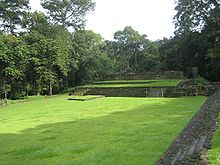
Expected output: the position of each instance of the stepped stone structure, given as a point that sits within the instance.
(148, 76)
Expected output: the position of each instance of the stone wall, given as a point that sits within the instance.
(185, 88)
(192, 88)
(215, 85)
(191, 146)
(147, 76)
(128, 92)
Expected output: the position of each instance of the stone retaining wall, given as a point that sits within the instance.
(185, 88)
(191, 145)
(192, 90)
(128, 92)
(147, 76)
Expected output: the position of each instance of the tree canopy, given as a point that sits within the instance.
(69, 13)
(45, 53)
(12, 13)
(192, 15)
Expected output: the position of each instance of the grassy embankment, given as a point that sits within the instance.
(214, 153)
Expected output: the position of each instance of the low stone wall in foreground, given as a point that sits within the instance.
(129, 92)
(191, 146)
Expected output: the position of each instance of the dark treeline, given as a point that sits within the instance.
(45, 53)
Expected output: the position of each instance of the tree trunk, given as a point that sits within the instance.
(38, 87)
(136, 63)
(128, 65)
(6, 95)
(50, 89)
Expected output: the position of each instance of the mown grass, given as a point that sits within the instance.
(102, 131)
(140, 83)
(214, 153)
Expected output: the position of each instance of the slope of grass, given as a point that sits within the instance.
(6, 102)
(102, 131)
(140, 83)
(214, 153)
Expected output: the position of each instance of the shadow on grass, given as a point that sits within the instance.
(138, 136)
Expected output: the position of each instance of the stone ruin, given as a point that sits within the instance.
(156, 92)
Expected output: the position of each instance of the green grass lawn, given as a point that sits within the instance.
(132, 131)
(214, 153)
(140, 83)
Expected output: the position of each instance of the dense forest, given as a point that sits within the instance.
(45, 53)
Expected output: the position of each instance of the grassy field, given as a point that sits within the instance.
(103, 131)
(214, 153)
(140, 83)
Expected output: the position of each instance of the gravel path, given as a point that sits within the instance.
(191, 145)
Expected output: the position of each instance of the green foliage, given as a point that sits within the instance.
(49, 59)
(107, 130)
(192, 14)
(4, 89)
(45, 56)
(13, 59)
(133, 52)
(36, 21)
(202, 81)
(91, 59)
(68, 13)
(12, 13)
(6, 102)
(196, 43)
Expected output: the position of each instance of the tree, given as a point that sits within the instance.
(127, 45)
(133, 52)
(88, 51)
(68, 13)
(36, 21)
(170, 53)
(12, 13)
(5, 89)
(192, 14)
(148, 56)
(50, 47)
(197, 23)
(49, 60)
(212, 32)
(13, 62)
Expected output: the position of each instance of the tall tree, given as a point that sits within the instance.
(13, 62)
(127, 45)
(192, 14)
(212, 33)
(133, 52)
(49, 61)
(69, 13)
(197, 23)
(12, 13)
(88, 51)
(36, 21)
